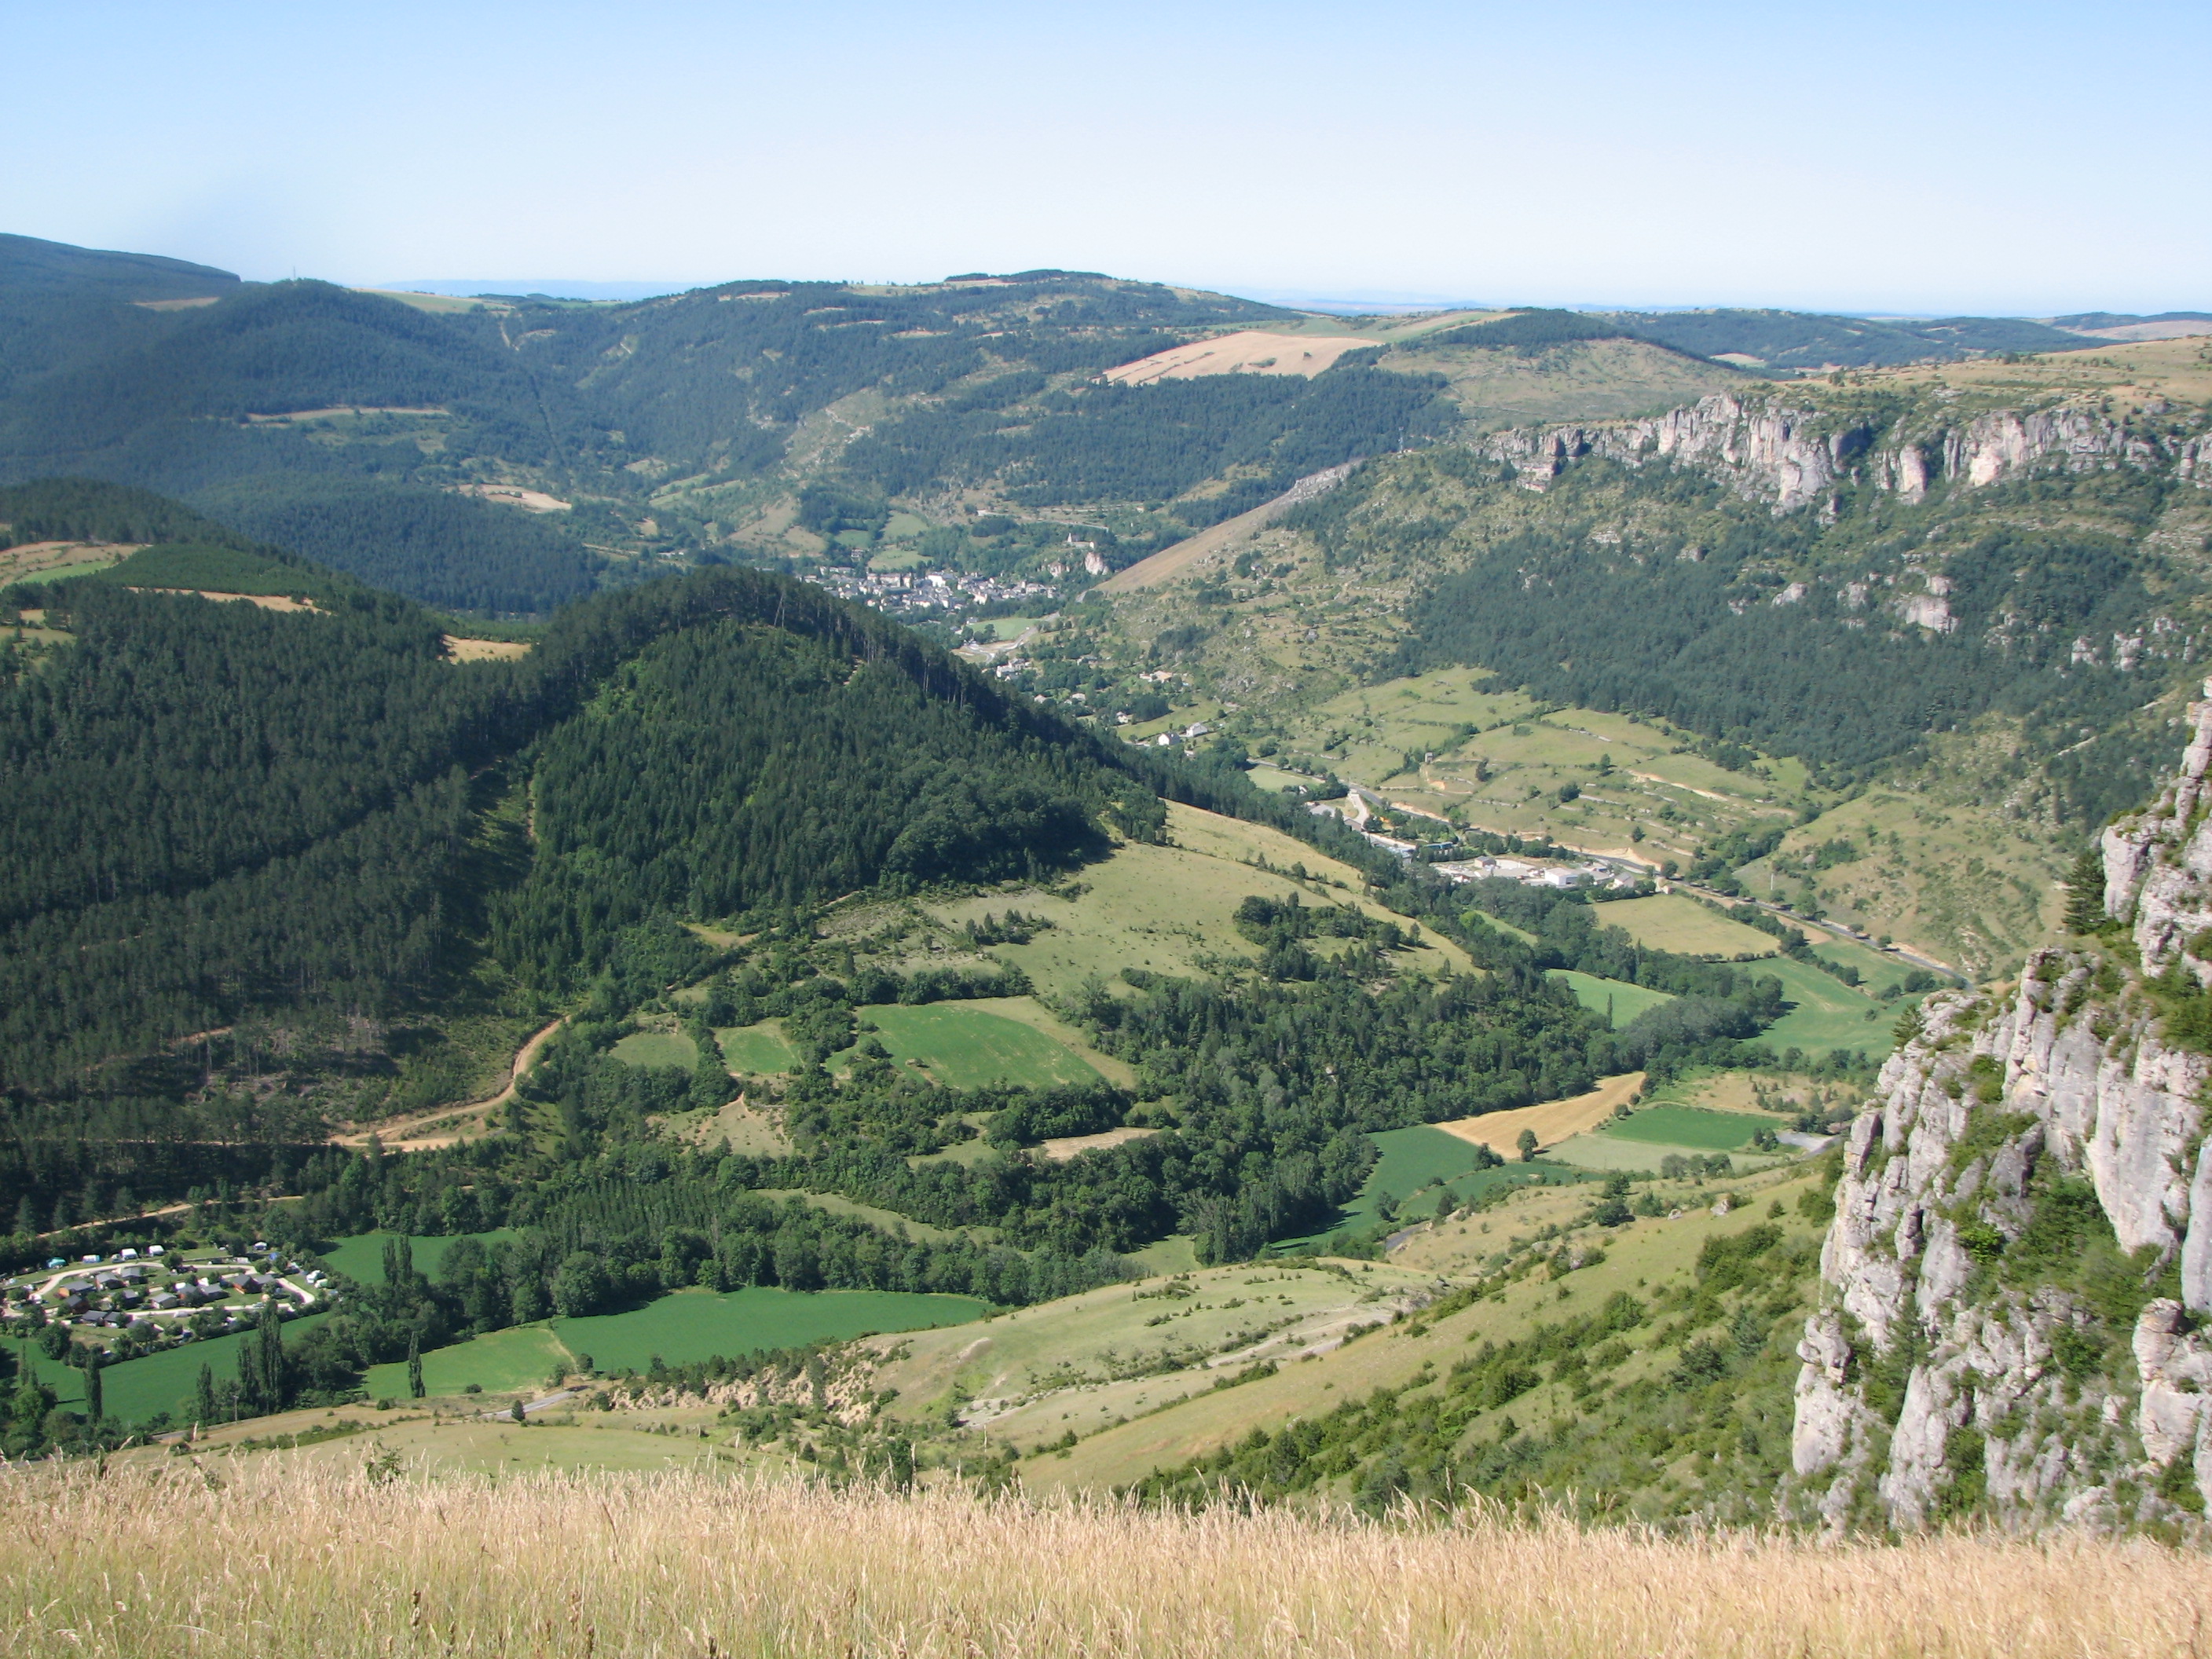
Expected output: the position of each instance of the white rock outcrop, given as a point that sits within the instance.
(1793, 456)
(1959, 1362)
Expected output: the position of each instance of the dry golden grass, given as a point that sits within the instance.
(1554, 1120)
(271, 1560)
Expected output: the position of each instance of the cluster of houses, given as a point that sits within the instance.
(136, 1290)
(918, 593)
(1530, 873)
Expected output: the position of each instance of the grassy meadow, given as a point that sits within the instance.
(1688, 1125)
(1598, 994)
(700, 1324)
(1669, 922)
(260, 1558)
(1171, 908)
(963, 1045)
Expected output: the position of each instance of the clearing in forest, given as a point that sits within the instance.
(964, 1046)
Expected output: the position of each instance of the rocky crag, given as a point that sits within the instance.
(1794, 456)
(2019, 1274)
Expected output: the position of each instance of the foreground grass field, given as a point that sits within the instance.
(285, 1561)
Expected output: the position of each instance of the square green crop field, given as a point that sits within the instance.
(658, 1048)
(1829, 1014)
(695, 1325)
(967, 1048)
(1668, 921)
(1689, 1125)
(757, 1050)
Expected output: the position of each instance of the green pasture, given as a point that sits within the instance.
(1669, 922)
(658, 1048)
(968, 1047)
(1829, 1014)
(700, 1324)
(521, 1357)
(1688, 1127)
(1409, 1160)
(1597, 994)
(362, 1256)
(757, 1050)
(134, 1390)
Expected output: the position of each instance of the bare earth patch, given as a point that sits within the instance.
(461, 650)
(529, 500)
(1061, 1148)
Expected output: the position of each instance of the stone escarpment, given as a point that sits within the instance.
(2022, 1255)
(1796, 456)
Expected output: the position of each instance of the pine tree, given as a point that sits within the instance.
(94, 1405)
(204, 1397)
(415, 1388)
(2084, 893)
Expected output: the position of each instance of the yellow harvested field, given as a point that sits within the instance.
(1554, 1120)
(1248, 351)
(1669, 922)
(461, 650)
(1061, 1148)
(266, 601)
(529, 500)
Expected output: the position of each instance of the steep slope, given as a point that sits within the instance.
(2022, 1250)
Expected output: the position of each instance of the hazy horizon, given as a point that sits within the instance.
(1701, 154)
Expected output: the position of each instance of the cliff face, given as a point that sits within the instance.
(2021, 1253)
(1793, 456)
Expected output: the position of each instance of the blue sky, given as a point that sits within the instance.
(2020, 158)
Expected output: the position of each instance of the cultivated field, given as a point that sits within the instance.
(1671, 922)
(1829, 1013)
(1248, 351)
(1553, 1121)
(1688, 1125)
(1596, 995)
(699, 1324)
(966, 1045)
(287, 1560)
(757, 1050)
(521, 1357)
(658, 1048)
(136, 1388)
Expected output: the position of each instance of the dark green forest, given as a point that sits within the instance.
(445, 550)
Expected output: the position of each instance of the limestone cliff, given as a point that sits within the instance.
(1793, 454)
(2021, 1254)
